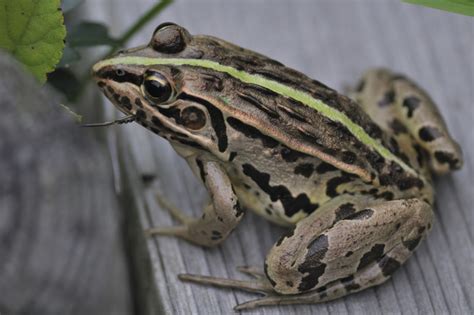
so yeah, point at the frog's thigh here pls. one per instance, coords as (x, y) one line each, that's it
(220, 216)
(359, 249)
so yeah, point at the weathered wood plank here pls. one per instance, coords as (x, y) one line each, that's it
(60, 247)
(334, 41)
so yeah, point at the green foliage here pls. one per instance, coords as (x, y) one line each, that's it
(90, 34)
(465, 7)
(33, 31)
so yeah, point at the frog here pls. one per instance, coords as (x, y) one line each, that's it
(350, 176)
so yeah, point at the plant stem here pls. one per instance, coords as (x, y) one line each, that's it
(139, 24)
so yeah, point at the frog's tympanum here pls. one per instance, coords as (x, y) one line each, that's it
(350, 176)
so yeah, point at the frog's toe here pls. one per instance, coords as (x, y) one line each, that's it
(259, 286)
(253, 271)
(175, 212)
(179, 231)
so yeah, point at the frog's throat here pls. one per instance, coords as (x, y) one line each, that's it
(308, 100)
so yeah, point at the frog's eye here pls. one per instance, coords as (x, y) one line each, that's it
(193, 118)
(170, 38)
(157, 88)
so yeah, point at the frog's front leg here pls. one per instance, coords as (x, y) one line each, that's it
(220, 216)
(344, 247)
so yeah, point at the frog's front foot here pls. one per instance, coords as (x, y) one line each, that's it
(220, 216)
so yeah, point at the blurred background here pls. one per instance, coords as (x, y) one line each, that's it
(74, 202)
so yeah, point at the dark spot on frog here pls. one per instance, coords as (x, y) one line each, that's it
(305, 169)
(140, 114)
(251, 132)
(317, 248)
(202, 172)
(420, 154)
(349, 254)
(101, 84)
(265, 270)
(388, 265)
(248, 187)
(138, 102)
(232, 156)
(212, 82)
(333, 183)
(349, 283)
(398, 127)
(361, 215)
(251, 99)
(409, 182)
(216, 237)
(387, 195)
(289, 233)
(373, 255)
(344, 210)
(374, 130)
(446, 157)
(289, 284)
(411, 103)
(429, 134)
(324, 167)
(291, 112)
(322, 292)
(291, 204)
(387, 98)
(397, 227)
(315, 269)
(291, 155)
(348, 157)
(239, 211)
(412, 244)
(268, 211)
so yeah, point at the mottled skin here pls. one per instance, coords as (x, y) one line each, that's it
(355, 215)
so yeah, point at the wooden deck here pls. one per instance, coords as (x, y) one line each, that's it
(333, 41)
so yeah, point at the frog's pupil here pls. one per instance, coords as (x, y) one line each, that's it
(159, 91)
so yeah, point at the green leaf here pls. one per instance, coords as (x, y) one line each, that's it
(68, 5)
(33, 31)
(90, 34)
(465, 7)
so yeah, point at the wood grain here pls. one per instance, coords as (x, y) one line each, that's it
(333, 41)
(60, 247)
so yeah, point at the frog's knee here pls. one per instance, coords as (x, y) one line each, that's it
(293, 266)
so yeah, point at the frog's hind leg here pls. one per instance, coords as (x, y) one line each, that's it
(348, 245)
(401, 107)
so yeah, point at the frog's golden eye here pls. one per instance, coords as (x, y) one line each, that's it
(193, 118)
(157, 88)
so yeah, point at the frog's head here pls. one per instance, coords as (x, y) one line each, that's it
(163, 87)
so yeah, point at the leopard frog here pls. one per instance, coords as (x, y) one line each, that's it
(349, 176)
